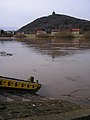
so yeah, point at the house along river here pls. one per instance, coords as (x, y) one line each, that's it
(62, 66)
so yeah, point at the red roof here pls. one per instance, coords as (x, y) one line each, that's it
(75, 29)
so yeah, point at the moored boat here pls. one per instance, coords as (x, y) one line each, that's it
(18, 84)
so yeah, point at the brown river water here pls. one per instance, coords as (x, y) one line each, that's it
(62, 66)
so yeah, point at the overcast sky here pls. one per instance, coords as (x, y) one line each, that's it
(16, 13)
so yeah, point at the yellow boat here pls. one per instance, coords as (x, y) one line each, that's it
(18, 84)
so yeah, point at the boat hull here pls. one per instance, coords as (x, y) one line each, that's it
(7, 83)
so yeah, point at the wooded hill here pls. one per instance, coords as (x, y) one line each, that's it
(56, 21)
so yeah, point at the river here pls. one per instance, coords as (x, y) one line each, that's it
(62, 66)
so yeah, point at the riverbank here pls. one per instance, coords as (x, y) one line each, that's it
(7, 38)
(26, 106)
(73, 115)
(41, 36)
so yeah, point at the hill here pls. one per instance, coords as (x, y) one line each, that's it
(55, 21)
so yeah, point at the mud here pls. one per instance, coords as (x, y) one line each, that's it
(25, 106)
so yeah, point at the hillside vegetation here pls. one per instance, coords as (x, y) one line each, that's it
(56, 21)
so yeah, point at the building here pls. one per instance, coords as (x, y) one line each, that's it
(40, 32)
(55, 31)
(76, 31)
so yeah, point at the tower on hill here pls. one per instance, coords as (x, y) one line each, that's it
(53, 13)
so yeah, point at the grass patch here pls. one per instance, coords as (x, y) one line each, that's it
(64, 35)
(19, 35)
(43, 35)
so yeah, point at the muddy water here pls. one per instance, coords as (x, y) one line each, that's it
(61, 66)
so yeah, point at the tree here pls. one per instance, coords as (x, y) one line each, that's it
(2, 31)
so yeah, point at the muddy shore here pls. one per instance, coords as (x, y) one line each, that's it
(26, 106)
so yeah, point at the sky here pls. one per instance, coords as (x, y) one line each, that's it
(17, 13)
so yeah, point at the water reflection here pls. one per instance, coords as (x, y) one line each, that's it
(58, 47)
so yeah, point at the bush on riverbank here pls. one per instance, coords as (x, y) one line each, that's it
(87, 34)
(6, 35)
(43, 35)
(64, 35)
(19, 35)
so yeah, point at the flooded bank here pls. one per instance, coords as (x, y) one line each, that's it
(61, 66)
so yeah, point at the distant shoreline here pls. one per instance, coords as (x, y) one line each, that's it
(46, 36)
(34, 36)
(7, 38)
